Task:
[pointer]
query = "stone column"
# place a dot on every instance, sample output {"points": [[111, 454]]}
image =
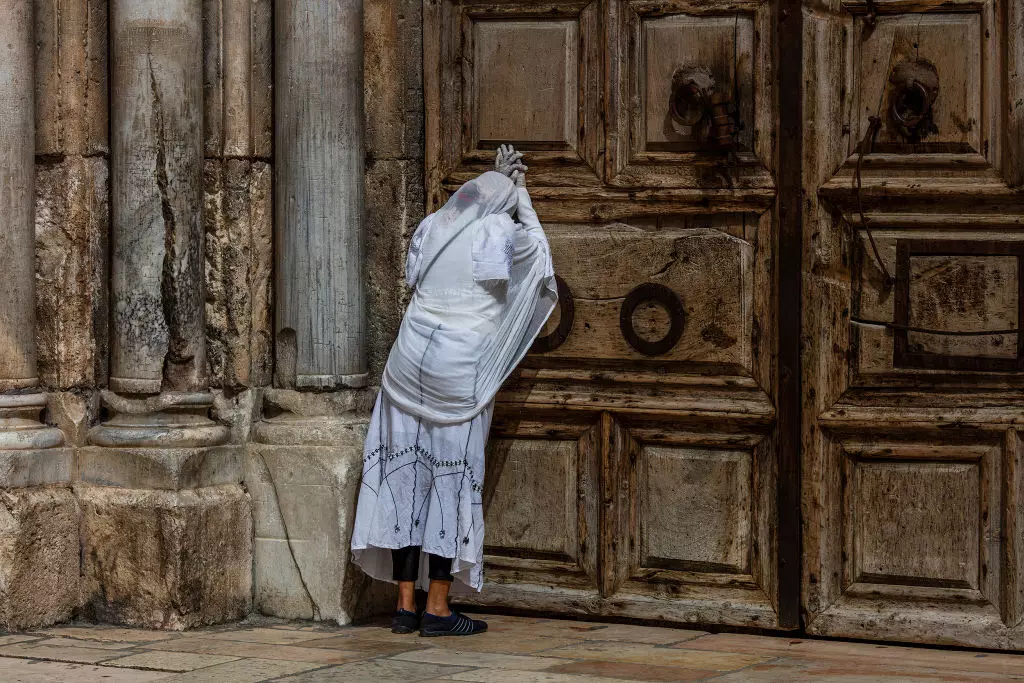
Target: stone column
{"points": [[318, 189], [158, 340], [305, 461], [38, 578], [20, 407], [160, 473]]}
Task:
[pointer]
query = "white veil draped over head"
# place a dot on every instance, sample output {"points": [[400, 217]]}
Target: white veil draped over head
{"points": [[490, 195], [446, 373]]}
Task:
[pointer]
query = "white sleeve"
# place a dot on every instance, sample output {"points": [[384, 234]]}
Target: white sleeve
{"points": [[527, 216]]}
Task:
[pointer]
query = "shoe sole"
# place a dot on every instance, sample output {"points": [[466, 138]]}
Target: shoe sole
{"points": [[402, 629], [437, 634]]}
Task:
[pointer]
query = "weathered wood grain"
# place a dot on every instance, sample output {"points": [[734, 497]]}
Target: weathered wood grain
{"points": [[910, 469], [624, 204]]}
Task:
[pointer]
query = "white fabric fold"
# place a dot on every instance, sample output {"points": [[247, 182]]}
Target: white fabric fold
{"points": [[484, 289], [493, 247]]}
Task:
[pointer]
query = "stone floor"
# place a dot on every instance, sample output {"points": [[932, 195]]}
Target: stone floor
{"points": [[517, 649]]}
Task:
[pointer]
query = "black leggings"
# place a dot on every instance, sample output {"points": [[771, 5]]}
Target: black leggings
{"points": [[406, 565]]}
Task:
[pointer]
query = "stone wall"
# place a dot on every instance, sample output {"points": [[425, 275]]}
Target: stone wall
{"points": [[246, 488]]}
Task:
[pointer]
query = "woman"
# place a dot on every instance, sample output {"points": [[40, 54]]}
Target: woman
{"points": [[484, 287]]}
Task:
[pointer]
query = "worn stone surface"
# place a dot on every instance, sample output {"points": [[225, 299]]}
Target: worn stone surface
{"points": [[319, 212], [35, 467], [238, 412], [394, 173], [17, 178], [73, 413], [161, 468], [314, 404], [394, 192], [238, 222], [166, 559], [237, 78], [520, 649], [304, 505], [156, 189], [71, 92], [72, 219], [38, 556], [393, 72]]}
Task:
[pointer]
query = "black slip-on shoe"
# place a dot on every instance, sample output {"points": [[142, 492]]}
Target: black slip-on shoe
{"points": [[404, 621], [454, 624]]}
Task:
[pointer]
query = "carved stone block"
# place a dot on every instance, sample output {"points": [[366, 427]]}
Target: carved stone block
{"points": [[166, 559], [304, 496], [38, 557]]}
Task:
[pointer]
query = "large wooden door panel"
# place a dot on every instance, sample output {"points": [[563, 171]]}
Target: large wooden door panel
{"points": [[713, 178], [633, 469], [912, 305]]}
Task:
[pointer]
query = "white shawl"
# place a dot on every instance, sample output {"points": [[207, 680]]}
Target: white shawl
{"points": [[484, 289]]}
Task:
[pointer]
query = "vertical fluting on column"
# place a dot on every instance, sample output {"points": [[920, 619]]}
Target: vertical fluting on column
{"points": [[318, 109], [158, 337], [20, 408]]}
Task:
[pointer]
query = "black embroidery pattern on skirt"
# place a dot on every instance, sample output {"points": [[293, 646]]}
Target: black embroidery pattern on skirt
{"points": [[422, 456]]}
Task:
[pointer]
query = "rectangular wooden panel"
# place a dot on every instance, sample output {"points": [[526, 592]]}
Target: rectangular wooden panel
{"points": [[525, 83], [975, 279], [915, 523], [955, 303], [902, 39], [695, 509], [722, 46], [708, 269], [660, 136], [970, 294], [543, 523]]}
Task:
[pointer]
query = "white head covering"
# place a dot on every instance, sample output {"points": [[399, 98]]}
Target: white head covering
{"points": [[491, 194]]}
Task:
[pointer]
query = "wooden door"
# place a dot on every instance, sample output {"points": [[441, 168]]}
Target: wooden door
{"points": [[783, 388], [635, 459], [912, 458]]}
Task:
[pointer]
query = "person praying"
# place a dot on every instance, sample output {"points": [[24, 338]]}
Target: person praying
{"points": [[484, 286]]}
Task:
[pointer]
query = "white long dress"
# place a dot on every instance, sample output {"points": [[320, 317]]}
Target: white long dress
{"points": [[484, 288]]}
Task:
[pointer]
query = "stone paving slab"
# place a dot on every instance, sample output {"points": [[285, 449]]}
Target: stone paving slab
{"points": [[243, 671], [79, 654], [32, 671], [169, 661], [515, 650], [236, 648]]}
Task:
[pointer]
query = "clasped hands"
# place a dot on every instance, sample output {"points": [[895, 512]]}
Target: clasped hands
{"points": [[507, 162]]}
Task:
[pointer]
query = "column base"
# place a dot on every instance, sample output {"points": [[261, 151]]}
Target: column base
{"points": [[35, 467], [161, 468], [39, 546], [20, 428], [166, 559], [304, 478]]}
